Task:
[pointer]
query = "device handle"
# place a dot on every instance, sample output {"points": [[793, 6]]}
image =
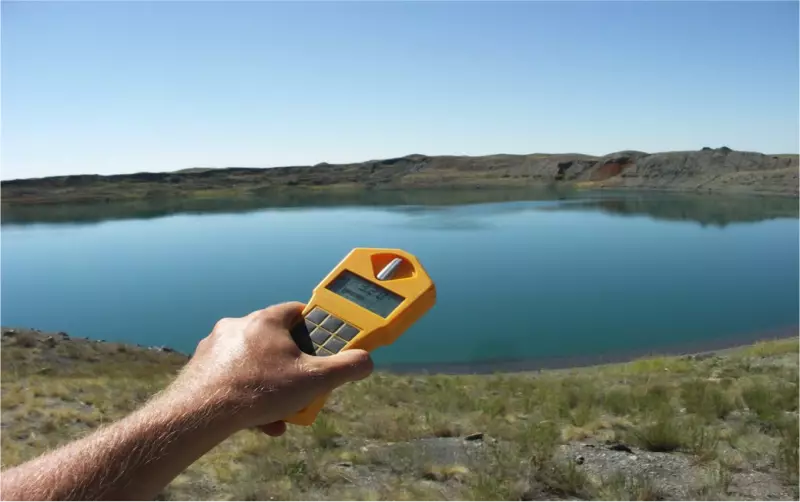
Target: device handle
{"points": [[307, 415]]}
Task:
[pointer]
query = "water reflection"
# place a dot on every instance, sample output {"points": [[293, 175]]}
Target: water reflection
{"points": [[714, 210], [707, 209], [404, 200]]}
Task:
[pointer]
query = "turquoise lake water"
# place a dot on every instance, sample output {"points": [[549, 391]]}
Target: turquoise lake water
{"points": [[583, 277]]}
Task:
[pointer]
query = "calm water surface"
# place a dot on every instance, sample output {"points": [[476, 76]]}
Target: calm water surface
{"points": [[587, 276]]}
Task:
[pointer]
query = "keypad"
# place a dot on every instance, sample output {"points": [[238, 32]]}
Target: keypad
{"points": [[317, 316], [332, 324], [335, 344], [322, 334], [347, 332]]}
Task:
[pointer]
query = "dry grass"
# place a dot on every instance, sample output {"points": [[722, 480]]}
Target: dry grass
{"points": [[621, 487], [787, 455], [744, 403]]}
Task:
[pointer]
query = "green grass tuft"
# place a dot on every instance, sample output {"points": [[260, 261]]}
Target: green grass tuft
{"points": [[707, 398], [662, 433], [565, 479], [619, 486], [788, 447], [325, 431]]}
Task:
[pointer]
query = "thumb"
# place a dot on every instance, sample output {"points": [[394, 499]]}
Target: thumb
{"points": [[346, 366]]}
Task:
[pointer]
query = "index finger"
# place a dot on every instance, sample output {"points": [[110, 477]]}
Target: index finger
{"points": [[282, 314]]}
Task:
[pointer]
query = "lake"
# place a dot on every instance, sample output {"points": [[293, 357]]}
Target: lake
{"points": [[522, 278]]}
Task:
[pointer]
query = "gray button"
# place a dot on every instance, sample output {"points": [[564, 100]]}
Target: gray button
{"points": [[332, 324], [310, 325], [319, 336], [335, 344], [317, 315], [321, 352], [347, 332]]}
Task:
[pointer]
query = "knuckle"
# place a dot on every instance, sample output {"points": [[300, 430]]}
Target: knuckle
{"points": [[222, 324], [203, 345], [282, 311], [308, 368], [263, 319]]}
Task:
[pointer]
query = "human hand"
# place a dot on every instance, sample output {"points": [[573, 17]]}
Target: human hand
{"points": [[253, 368]]}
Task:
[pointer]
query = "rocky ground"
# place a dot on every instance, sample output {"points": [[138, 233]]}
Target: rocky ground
{"points": [[720, 426], [707, 170]]}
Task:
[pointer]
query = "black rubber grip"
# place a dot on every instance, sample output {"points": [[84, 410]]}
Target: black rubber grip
{"points": [[302, 337]]}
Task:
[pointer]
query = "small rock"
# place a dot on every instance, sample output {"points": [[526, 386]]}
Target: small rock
{"points": [[50, 342], [476, 436], [580, 460], [345, 464], [736, 415], [9, 332], [620, 447]]}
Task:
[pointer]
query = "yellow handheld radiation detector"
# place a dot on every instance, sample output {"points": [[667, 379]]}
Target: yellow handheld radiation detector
{"points": [[368, 300]]}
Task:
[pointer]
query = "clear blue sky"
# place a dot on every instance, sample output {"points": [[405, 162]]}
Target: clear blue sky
{"points": [[106, 87]]}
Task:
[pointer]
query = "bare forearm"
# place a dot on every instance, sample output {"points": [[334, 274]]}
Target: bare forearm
{"points": [[131, 459], [247, 373]]}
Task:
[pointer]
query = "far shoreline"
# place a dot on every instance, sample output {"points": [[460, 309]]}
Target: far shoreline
{"points": [[701, 349], [715, 209], [703, 171]]}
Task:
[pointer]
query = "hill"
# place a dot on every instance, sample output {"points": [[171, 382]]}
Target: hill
{"points": [[707, 170]]}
